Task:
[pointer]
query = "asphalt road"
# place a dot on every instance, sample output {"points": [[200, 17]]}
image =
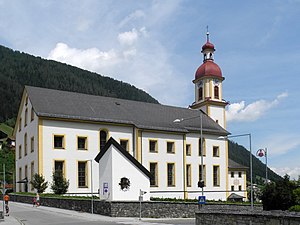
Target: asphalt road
{"points": [[29, 215]]}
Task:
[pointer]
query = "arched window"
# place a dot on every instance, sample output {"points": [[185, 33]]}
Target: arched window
{"points": [[200, 93], [103, 138], [216, 91]]}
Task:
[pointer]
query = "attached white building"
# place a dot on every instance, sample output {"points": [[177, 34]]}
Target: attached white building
{"points": [[59, 130], [121, 176], [237, 181]]}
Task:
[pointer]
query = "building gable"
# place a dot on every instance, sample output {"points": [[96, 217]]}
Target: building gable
{"points": [[113, 142]]}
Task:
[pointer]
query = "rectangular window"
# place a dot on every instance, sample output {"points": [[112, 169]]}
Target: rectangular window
{"points": [[154, 173], [20, 124], [188, 150], [170, 147], [32, 173], [216, 176], [32, 114], [152, 146], [240, 174], [204, 174], [232, 174], [171, 174], [203, 147], [32, 144], [215, 151], [82, 174], [25, 119], [188, 175], [26, 100], [124, 144], [240, 187], [59, 166], [59, 141], [232, 187], [20, 151], [82, 143], [25, 144]]}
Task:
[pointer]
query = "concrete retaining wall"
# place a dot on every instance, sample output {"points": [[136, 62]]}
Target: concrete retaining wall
{"points": [[208, 217]]}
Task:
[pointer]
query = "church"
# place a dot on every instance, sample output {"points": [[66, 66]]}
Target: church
{"points": [[122, 149]]}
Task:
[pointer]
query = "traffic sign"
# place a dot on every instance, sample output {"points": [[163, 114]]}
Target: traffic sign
{"points": [[201, 200]]}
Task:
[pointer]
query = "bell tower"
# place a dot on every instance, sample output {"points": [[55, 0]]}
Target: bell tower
{"points": [[208, 86]]}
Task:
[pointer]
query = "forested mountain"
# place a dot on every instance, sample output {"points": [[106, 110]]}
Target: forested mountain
{"points": [[19, 69], [241, 155]]}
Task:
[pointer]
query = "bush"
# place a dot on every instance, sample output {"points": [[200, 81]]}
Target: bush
{"points": [[39, 183], [59, 185], [295, 208], [279, 195]]}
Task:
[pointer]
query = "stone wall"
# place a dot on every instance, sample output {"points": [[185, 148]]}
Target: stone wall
{"points": [[208, 217], [150, 209]]}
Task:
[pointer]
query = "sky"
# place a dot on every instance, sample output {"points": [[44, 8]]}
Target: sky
{"points": [[155, 45]]}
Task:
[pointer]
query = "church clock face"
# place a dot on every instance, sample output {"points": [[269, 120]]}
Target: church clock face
{"points": [[216, 82], [200, 84]]}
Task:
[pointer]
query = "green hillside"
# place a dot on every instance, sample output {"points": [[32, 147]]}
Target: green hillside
{"points": [[240, 154], [19, 69]]}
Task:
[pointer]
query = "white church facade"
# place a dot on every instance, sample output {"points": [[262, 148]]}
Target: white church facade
{"points": [[142, 142]]}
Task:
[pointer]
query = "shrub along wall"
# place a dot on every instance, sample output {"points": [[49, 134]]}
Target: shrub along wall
{"points": [[150, 209]]}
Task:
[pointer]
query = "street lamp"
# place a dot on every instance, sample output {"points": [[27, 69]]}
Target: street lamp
{"points": [[251, 175], [201, 145], [263, 152]]}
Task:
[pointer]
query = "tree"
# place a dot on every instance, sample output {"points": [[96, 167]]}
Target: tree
{"points": [[279, 195], [39, 183], [59, 185]]}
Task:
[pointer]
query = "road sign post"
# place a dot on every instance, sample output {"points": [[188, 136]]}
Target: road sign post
{"points": [[201, 201]]}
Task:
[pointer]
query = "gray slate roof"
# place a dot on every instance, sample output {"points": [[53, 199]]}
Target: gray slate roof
{"points": [[112, 141], [234, 165], [235, 196], [77, 106]]}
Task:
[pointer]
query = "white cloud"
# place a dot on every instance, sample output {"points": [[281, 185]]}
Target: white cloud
{"points": [[294, 173], [130, 37], [241, 112], [92, 58]]}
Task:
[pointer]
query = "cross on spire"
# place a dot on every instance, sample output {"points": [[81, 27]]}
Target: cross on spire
{"points": [[207, 34]]}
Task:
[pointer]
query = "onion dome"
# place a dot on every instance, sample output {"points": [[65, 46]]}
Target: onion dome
{"points": [[208, 68], [208, 45]]}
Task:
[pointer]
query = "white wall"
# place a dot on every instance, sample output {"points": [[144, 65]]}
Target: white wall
{"points": [[217, 113], [32, 131], [237, 181], [209, 161], [162, 158], [112, 167], [105, 176]]}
